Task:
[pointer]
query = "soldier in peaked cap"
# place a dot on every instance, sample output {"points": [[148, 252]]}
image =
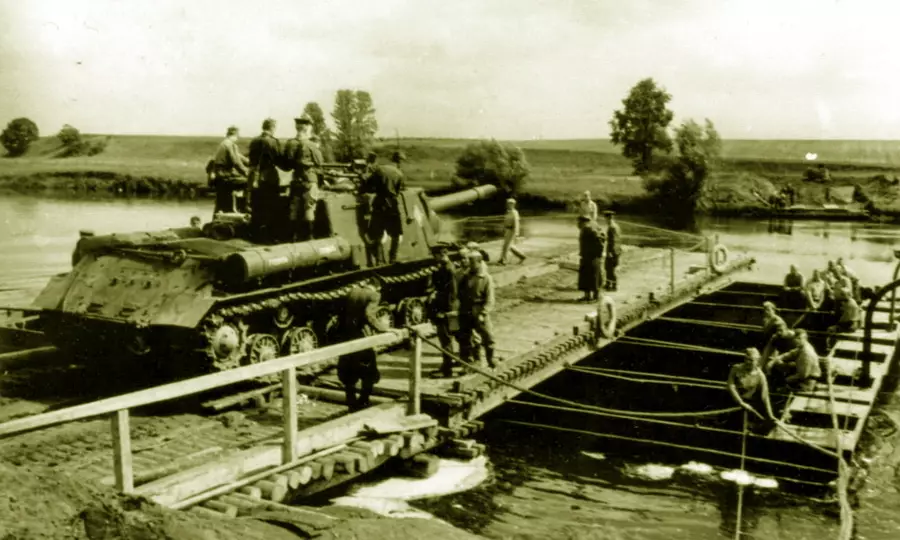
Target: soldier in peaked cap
{"points": [[302, 156]]}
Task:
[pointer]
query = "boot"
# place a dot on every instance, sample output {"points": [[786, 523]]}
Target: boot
{"points": [[489, 356], [352, 403]]}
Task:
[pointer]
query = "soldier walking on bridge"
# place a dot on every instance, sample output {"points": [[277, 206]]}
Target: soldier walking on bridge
{"points": [[358, 320], [476, 301], [264, 183], [592, 245], [229, 168], [386, 183], [303, 157], [613, 250]]}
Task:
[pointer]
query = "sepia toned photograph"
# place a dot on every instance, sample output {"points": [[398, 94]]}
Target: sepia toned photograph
{"points": [[484, 269]]}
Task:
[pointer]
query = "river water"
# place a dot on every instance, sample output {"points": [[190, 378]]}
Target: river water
{"points": [[543, 485]]}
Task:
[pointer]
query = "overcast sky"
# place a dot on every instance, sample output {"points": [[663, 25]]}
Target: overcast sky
{"points": [[510, 69]]}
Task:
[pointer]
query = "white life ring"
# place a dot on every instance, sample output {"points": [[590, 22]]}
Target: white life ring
{"points": [[718, 258], [606, 317]]}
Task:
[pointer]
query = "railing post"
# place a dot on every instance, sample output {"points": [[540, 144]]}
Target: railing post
{"points": [[121, 440], [894, 292], [289, 414], [671, 270], [415, 378]]}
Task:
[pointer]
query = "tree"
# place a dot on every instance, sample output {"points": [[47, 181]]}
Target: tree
{"points": [[320, 128], [354, 122], [640, 127], [490, 162], [699, 148], [71, 140], [18, 136]]}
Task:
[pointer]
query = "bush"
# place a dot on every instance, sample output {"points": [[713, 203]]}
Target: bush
{"points": [[491, 162], [18, 136], [76, 145]]}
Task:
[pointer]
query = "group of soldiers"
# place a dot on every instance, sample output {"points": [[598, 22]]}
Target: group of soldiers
{"points": [[599, 251], [788, 358], [461, 302], [257, 174]]}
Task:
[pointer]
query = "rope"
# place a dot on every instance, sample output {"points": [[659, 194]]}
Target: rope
{"points": [[679, 346], [740, 502], [586, 406], [676, 445]]}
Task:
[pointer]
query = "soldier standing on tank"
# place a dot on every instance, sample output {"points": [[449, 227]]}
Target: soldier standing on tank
{"points": [[476, 301], [359, 319], [264, 183], [444, 302], [591, 248], [303, 158], [230, 169], [613, 250], [387, 184]]}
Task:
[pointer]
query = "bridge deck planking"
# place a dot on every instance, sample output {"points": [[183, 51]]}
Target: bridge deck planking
{"points": [[548, 310]]}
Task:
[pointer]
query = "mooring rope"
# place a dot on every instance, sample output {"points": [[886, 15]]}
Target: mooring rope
{"points": [[678, 346], [586, 406]]}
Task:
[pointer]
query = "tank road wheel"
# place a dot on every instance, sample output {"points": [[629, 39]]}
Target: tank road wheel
{"points": [[283, 317], [139, 346], [299, 339], [385, 314], [225, 346], [413, 311], [261, 348]]}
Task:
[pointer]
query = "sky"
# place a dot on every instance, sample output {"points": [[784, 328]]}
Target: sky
{"points": [[508, 69]]}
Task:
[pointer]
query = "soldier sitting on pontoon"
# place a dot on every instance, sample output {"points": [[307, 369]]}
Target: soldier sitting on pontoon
{"points": [[792, 296], [800, 366]]}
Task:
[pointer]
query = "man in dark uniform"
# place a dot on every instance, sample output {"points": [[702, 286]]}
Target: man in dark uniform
{"points": [[230, 170], [360, 319], [303, 157], [591, 247], [444, 302], [387, 183], [613, 250], [264, 183], [476, 301]]}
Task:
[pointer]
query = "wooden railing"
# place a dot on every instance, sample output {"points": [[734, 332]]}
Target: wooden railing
{"points": [[119, 406]]}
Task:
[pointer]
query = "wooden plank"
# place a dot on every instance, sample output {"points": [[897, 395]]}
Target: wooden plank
{"points": [[228, 468], [289, 414], [204, 383], [849, 368], [823, 406], [121, 438], [843, 393], [824, 437]]}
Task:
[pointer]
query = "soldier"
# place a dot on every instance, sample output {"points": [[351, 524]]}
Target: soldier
{"points": [[510, 232], [587, 207], [476, 301], [360, 319], [800, 366], [230, 169], [303, 158], [613, 250], [195, 222], [264, 182], [387, 183], [592, 245], [792, 295], [444, 302]]}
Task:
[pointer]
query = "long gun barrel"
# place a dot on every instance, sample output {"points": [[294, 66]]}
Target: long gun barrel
{"points": [[460, 198]]}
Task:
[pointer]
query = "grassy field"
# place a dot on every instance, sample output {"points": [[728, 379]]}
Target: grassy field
{"points": [[561, 169]]}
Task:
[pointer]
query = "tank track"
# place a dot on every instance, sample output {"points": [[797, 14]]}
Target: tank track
{"points": [[254, 342]]}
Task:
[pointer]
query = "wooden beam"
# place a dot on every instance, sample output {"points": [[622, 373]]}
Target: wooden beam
{"points": [[204, 383], [235, 466], [415, 378], [121, 439], [289, 414]]}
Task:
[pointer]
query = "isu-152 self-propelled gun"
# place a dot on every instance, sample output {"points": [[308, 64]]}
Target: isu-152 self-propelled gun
{"points": [[195, 300]]}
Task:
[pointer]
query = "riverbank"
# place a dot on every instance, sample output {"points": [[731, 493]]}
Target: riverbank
{"points": [[863, 174], [46, 505]]}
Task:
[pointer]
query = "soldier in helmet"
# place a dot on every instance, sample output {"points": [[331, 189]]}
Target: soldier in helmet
{"points": [[386, 183], [303, 157]]}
